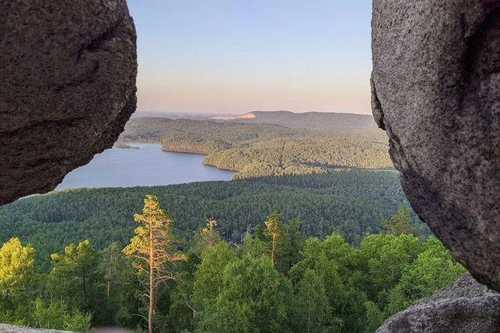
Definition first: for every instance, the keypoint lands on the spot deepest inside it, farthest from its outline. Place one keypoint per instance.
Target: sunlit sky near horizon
(236, 56)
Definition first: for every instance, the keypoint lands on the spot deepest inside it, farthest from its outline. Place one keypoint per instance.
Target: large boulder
(436, 91)
(68, 85)
(465, 307)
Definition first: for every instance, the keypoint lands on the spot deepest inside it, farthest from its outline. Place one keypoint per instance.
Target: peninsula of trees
(279, 143)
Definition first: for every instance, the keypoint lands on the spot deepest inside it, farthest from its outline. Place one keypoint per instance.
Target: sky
(237, 56)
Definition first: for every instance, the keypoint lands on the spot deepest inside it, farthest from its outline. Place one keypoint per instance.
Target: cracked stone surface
(68, 85)
(436, 92)
(467, 306)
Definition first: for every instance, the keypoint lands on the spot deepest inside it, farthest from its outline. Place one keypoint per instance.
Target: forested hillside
(300, 155)
(352, 203)
(275, 280)
(209, 132)
(314, 143)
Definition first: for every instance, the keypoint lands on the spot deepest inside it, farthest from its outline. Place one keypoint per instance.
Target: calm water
(147, 166)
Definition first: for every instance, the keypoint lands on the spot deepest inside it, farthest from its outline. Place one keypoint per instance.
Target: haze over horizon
(234, 57)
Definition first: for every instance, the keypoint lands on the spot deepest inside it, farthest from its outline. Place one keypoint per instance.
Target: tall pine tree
(153, 249)
(274, 228)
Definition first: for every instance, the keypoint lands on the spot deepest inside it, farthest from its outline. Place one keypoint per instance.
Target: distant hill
(153, 129)
(264, 149)
(175, 115)
(273, 143)
(333, 123)
(321, 121)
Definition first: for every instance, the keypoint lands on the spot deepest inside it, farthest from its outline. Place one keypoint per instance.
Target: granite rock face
(17, 329)
(436, 92)
(68, 85)
(464, 307)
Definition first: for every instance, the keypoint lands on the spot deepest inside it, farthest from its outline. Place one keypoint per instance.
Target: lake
(146, 166)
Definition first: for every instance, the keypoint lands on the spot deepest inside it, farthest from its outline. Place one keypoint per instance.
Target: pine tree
(207, 237)
(274, 229)
(74, 276)
(153, 249)
(291, 245)
(118, 283)
(400, 223)
(311, 311)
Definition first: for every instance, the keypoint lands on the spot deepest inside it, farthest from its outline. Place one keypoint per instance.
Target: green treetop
(74, 275)
(16, 266)
(400, 223)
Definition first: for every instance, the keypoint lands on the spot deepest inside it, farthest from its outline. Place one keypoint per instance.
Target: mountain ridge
(320, 121)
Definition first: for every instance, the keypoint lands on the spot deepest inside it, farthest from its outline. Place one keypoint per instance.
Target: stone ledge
(467, 306)
(17, 329)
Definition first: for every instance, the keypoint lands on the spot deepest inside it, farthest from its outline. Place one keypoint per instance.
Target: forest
(313, 235)
(352, 203)
(256, 149)
(275, 280)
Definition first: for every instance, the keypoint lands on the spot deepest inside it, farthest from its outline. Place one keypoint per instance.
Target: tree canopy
(314, 284)
(351, 203)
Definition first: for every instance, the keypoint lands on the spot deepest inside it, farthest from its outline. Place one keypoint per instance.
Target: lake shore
(142, 164)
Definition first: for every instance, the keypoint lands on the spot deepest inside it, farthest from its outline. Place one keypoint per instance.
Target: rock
(68, 72)
(436, 92)
(465, 307)
(17, 329)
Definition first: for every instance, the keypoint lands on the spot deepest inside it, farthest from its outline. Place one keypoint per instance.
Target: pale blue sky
(235, 56)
